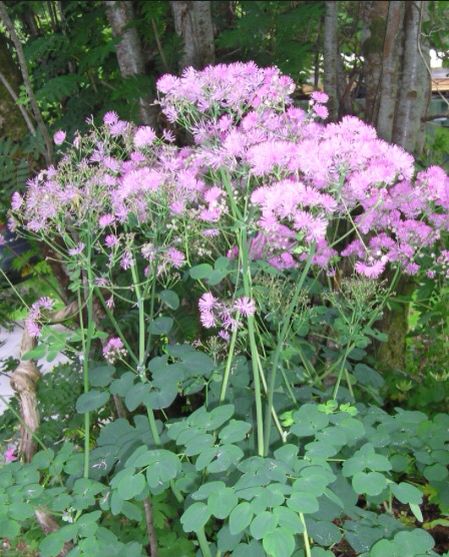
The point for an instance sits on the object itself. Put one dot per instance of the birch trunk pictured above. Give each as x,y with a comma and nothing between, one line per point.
193,23
129,52
413,95
388,86
331,56
374,16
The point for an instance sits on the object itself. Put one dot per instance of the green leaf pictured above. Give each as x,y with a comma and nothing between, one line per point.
131,511
234,431
279,543
51,545
161,325
385,548
222,502
416,510
435,472
225,457
371,483
92,400
136,395
207,489
100,375
407,493
368,376
170,299
20,511
9,528
200,272
36,353
42,459
320,552
240,518
195,517
309,420
414,542
162,467
218,416
131,485
288,519
263,524
303,503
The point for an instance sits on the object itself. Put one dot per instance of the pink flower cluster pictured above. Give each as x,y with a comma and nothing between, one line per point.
298,179
114,350
231,87
217,313
36,312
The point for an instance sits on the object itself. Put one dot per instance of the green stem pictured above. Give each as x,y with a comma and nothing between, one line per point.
305,536
204,544
86,340
242,241
227,371
281,339
243,252
116,325
141,368
153,297
282,433
153,426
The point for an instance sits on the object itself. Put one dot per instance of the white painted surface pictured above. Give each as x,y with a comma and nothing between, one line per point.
10,346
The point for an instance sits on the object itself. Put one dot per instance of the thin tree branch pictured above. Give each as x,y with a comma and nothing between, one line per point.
150,527
15,98
159,46
431,117
27,82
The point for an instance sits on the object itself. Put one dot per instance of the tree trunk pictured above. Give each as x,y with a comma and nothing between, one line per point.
12,122
9,24
374,16
388,86
412,100
331,56
129,52
193,23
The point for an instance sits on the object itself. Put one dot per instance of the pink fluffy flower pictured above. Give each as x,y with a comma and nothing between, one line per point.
9,455
245,306
77,250
321,111
114,350
106,220
126,261
16,201
144,136
110,118
207,302
111,240
59,137
320,97
373,270
175,257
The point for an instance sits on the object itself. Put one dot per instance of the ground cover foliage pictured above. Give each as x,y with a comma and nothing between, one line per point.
228,274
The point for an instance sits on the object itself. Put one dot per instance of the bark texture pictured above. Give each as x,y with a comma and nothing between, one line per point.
193,23
412,100
388,86
12,120
130,56
331,56
374,17
27,82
